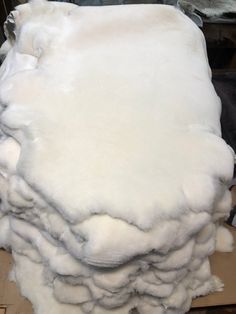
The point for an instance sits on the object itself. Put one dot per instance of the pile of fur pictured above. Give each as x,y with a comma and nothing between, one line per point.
113,171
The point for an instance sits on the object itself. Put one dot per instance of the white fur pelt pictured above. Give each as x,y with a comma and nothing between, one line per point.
113,172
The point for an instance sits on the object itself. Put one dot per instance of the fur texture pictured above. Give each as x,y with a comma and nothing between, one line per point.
113,174
224,240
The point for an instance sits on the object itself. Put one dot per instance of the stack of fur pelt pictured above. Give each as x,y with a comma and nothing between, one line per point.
113,170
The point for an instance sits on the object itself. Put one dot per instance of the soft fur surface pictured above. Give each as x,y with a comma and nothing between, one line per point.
113,173
112,108
224,240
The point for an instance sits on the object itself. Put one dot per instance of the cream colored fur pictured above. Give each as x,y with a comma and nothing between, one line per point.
113,172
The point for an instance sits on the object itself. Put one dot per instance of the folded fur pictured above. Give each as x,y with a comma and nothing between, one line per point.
113,174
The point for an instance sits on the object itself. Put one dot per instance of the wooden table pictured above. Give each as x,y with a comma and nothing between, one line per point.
11,302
